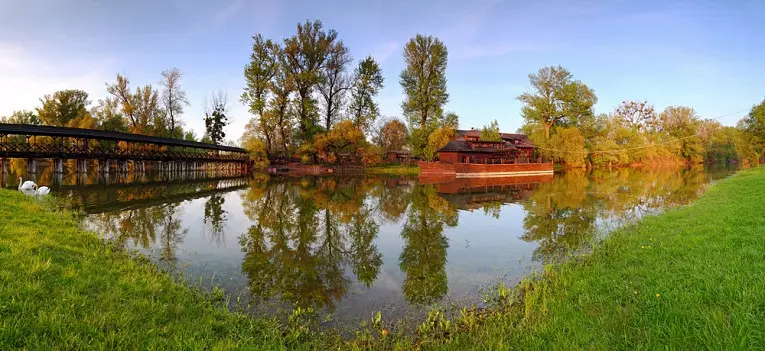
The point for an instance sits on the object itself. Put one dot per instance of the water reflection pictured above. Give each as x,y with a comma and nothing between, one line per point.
353,246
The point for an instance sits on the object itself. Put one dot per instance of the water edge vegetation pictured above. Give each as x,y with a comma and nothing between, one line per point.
686,278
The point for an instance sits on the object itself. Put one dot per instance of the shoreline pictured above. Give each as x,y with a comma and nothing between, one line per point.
665,281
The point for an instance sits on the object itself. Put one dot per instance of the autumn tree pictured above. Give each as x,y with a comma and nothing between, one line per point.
491,132
568,144
173,99
436,140
392,135
258,74
557,99
424,80
215,118
754,124
108,116
142,108
367,83
682,125
334,83
305,54
64,108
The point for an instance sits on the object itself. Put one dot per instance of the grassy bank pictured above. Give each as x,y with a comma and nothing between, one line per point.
62,288
394,170
691,278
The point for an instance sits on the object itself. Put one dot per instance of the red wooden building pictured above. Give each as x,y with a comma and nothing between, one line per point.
467,147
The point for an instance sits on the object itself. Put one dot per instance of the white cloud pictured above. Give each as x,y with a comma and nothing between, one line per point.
25,76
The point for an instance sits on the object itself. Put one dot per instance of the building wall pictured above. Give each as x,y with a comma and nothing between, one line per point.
449,157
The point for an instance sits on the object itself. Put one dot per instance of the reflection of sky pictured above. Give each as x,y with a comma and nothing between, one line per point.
482,251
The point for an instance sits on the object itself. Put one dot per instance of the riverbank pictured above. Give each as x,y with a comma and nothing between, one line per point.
66,288
63,288
393,169
690,278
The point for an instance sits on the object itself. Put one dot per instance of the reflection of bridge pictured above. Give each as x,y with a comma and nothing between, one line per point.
101,198
60,143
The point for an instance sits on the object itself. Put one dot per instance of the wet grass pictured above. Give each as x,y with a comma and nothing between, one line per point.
690,278
394,169
62,288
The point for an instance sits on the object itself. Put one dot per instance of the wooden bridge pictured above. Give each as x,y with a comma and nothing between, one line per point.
120,152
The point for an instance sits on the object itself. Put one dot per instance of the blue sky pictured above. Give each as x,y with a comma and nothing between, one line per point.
709,55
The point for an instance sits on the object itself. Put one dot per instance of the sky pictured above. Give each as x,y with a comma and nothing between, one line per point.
709,55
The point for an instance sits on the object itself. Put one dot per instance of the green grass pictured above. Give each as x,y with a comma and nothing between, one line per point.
62,288
691,278
394,169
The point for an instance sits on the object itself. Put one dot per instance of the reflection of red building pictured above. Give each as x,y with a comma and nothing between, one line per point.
467,147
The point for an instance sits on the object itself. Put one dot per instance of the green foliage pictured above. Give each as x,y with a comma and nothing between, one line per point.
22,117
367,83
754,124
568,144
424,80
436,140
491,132
64,108
142,108
334,83
557,99
214,123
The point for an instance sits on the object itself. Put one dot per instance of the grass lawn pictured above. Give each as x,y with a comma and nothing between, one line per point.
62,288
394,169
691,278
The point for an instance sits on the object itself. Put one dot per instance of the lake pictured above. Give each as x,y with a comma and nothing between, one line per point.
352,246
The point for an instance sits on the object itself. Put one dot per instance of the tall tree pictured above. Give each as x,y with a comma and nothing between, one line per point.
305,54
173,99
334,83
279,107
754,124
215,118
367,82
557,99
63,107
263,66
141,108
424,80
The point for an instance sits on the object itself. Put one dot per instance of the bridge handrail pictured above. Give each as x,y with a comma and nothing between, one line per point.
27,129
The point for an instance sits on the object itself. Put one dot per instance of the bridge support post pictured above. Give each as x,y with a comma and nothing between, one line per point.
107,166
31,165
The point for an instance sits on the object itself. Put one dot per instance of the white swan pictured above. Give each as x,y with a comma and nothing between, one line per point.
28,185
43,190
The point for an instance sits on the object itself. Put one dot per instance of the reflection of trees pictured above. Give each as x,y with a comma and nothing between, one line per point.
561,216
215,216
304,235
143,226
423,258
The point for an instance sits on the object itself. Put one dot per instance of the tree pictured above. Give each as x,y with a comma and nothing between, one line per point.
367,83
63,107
682,124
334,82
557,100
424,80
22,117
263,66
754,124
279,107
491,132
636,115
108,116
304,56
215,118
436,140
344,138
568,144
392,135
173,98
142,108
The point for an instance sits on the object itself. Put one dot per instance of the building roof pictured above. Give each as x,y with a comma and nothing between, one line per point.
518,140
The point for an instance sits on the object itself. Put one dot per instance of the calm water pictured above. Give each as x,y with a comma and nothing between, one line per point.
353,246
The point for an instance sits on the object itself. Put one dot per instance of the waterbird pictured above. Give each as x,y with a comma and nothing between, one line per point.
28,185
43,190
